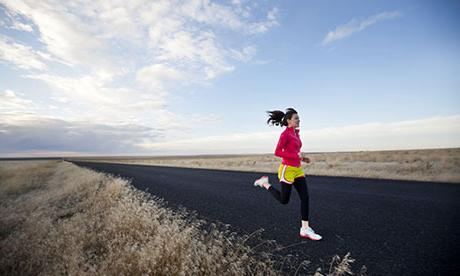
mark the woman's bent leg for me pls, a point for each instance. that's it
(300, 184)
(285, 193)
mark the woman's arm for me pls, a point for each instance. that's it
(304, 158)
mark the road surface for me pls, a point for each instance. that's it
(392, 227)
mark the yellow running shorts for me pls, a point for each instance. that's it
(287, 173)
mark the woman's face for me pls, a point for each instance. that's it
(294, 121)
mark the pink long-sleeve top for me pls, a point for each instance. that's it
(288, 147)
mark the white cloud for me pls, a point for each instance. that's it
(22, 27)
(264, 26)
(245, 55)
(355, 26)
(198, 53)
(157, 75)
(92, 96)
(228, 17)
(212, 13)
(63, 33)
(10, 103)
(21, 55)
(88, 89)
(15, 22)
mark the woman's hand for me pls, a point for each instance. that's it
(304, 158)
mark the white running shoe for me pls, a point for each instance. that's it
(309, 234)
(261, 181)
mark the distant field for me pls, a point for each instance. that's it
(439, 165)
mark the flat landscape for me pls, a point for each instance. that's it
(59, 218)
(439, 165)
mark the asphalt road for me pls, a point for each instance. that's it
(391, 227)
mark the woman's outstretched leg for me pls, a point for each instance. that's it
(284, 195)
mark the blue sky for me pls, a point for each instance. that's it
(196, 77)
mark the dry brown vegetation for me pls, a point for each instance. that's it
(440, 165)
(57, 218)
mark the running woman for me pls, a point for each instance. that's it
(290, 171)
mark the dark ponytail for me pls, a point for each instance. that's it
(279, 118)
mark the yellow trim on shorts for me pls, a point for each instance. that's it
(288, 173)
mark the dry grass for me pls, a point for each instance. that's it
(31, 175)
(57, 218)
(440, 165)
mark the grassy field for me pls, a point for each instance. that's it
(439, 165)
(59, 219)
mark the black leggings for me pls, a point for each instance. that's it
(300, 185)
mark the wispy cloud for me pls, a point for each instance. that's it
(355, 26)
(93, 96)
(180, 33)
(157, 75)
(21, 56)
(11, 21)
(11, 103)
